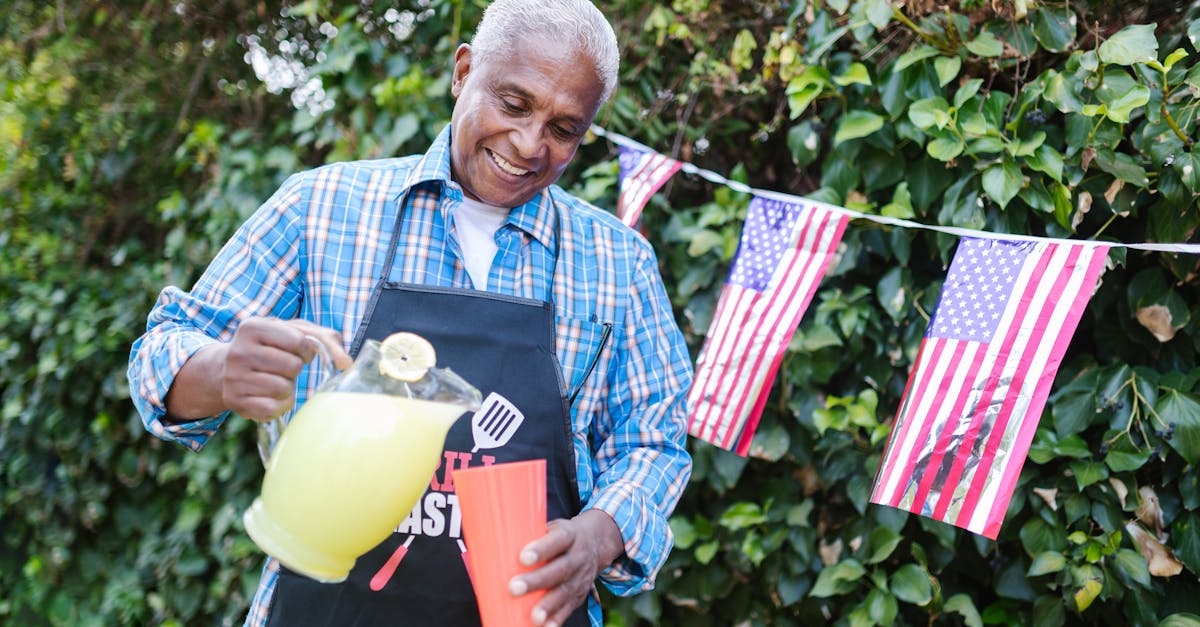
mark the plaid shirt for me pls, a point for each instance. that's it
(315, 250)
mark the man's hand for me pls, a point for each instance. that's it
(255, 373)
(574, 551)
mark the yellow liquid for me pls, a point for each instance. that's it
(346, 470)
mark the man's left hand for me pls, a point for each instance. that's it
(574, 551)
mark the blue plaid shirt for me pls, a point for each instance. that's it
(315, 250)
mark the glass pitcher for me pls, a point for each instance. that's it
(351, 463)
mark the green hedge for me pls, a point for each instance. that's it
(1073, 120)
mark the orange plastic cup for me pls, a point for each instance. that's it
(503, 508)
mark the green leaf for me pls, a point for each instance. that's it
(879, 13)
(967, 92)
(930, 112)
(838, 579)
(1188, 167)
(857, 124)
(1047, 160)
(962, 605)
(947, 69)
(1123, 456)
(856, 74)
(913, 56)
(1088, 472)
(1133, 44)
(1132, 566)
(1119, 110)
(881, 543)
(1054, 27)
(1122, 166)
(1087, 593)
(742, 515)
(986, 45)
(1002, 182)
(881, 607)
(704, 242)
(1180, 619)
(805, 143)
(945, 147)
(1193, 33)
(707, 551)
(1047, 562)
(1059, 89)
(1182, 410)
(910, 583)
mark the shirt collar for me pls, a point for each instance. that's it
(535, 217)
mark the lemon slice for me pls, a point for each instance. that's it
(406, 356)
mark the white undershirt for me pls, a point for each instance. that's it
(476, 225)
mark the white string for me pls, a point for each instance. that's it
(713, 177)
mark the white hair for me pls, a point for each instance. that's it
(506, 21)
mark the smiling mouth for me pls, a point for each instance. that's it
(503, 164)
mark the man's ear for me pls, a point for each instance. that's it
(462, 67)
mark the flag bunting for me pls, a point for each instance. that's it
(784, 251)
(642, 172)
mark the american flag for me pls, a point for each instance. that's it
(641, 174)
(1006, 314)
(784, 251)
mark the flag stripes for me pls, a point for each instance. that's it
(641, 174)
(753, 324)
(971, 406)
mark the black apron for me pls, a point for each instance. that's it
(505, 346)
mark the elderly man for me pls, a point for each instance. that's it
(530, 293)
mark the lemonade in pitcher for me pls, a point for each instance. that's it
(356, 457)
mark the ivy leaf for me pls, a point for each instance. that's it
(1002, 182)
(967, 92)
(742, 515)
(913, 56)
(947, 69)
(1087, 593)
(1088, 472)
(804, 142)
(1119, 110)
(986, 45)
(1132, 566)
(1059, 89)
(1046, 160)
(881, 543)
(1047, 562)
(838, 579)
(1054, 28)
(945, 147)
(911, 584)
(1183, 410)
(965, 607)
(930, 112)
(881, 607)
(855, 74)
(857, 124)
(1132, 44)
(1188, 167)
(1185, 534)
(1122, 166)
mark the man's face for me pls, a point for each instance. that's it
(518, 118)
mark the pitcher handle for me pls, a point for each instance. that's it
(268, 432)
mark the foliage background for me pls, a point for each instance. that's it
(135, 136)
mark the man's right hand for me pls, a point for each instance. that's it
(254, 374)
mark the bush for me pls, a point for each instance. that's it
(1071, 120)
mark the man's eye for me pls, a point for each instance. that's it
(563, 132)
(512, 107)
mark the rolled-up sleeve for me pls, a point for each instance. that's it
(254, 274)
(643, 465)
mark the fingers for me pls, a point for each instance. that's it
(263, 360)
(566, 574)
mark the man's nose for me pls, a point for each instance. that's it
(528, 139)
